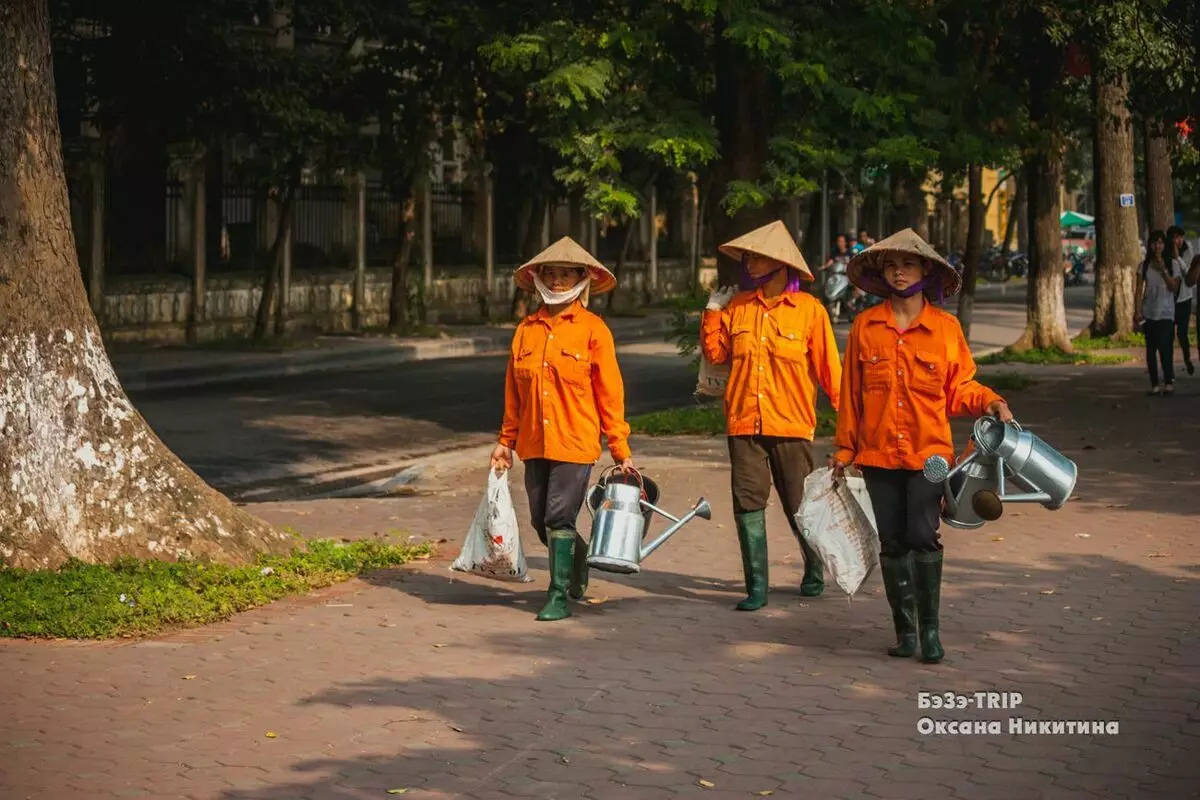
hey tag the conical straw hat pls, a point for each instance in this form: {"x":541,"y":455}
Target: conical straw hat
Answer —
{"x":566,"y":252}
{"x":865,"y":270}
{"x":771,"y":241}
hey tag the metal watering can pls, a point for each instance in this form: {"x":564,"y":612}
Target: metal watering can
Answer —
{"x":622,"y":508}
{"x":976,"y":489}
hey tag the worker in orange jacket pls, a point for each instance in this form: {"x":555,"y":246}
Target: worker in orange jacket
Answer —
{"x":908,"y":370}
{"x":563,"y":389}
{"x":779,"y":344}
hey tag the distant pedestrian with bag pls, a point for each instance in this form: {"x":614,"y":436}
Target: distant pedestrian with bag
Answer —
{"x":779,"y":345}
{"x":908,"y":370}
{"x":1158,"y":282}
{"x":563,"y":391}
{"x":1185,"y":296}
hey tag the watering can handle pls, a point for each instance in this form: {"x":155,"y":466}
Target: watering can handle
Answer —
{"x":615,"y":468}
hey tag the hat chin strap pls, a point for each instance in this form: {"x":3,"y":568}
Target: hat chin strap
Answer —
{"x":552,"y":298}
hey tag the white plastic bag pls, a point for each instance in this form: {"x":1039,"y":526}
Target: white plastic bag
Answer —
{"x":712,"y":379}
{"x":838,"y":522}
{"x":493,"y":544}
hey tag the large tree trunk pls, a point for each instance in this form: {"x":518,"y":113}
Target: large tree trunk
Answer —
{"x":1046,"y":313}
{"x":1023,"y":213}
{"x":744,"y":117}
{"x":83,"y":475}
{"x":1116,"y":227}
{"x":974,"y":249}
{"x":1160,"y":196}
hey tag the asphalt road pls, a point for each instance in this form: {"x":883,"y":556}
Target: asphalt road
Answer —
{"x":275,"y":438}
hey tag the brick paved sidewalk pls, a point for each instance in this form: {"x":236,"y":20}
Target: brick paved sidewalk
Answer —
{"x":427,"y":681}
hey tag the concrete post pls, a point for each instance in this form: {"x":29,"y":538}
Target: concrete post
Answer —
{"x":653,"y":238}
{"x":427,"y":231}
{"x":198,"y":204}
{"x":489,"y":239}
{"x":360,"y":252}
{"x":96,"y":254}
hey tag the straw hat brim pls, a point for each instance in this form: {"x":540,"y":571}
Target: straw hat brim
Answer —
{"x":566,"y":253}
{"x":865,"y":270}
{"x":770,"y":241}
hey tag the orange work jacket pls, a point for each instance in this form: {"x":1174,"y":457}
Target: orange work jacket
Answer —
{"x":563,"y":388}
{"x":900,"y":388}
{"x":779,"y":350}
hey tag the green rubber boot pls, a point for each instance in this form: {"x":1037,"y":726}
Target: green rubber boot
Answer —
{"x":901,"y":595}
{"x":928,"y":570}
{"x":813,"y":582}
{"x":752,"y":537}
{"x":579,"y":569}
{"x":562,"y":546}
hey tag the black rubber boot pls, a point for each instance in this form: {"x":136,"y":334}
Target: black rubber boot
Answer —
{"x":928,"y":570}
{"x":898,"y":582}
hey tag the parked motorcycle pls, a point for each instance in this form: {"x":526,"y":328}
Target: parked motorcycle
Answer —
{"x":837,"y":290}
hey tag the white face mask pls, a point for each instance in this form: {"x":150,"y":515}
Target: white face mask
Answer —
{"x":552,"y":298}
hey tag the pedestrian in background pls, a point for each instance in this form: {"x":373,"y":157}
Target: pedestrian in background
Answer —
{"x":1184,"y":295}
{"x":908,"y":370}
{"x":779,"y":344}
{"x":563,"y":390}
{"x":1158,"y":280}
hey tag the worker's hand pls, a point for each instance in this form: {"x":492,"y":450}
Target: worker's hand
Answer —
{"x":719,"y":298}
{"x":999,"y":408}
{"x":627,"y":466}
{"x":838,"y":467}
{"x":502,"y":459}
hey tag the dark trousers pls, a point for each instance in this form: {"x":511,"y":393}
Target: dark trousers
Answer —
{"x":1160,"y":347}
{"x":907,"y":510}
{"x":556,"y":491}
{"x":757,"y":462}
{"x":1183,"y":322}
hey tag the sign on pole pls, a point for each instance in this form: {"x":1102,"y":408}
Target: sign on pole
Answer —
{"x":1126,"y":201}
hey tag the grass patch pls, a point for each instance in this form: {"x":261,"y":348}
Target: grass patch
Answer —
{"x":706,"y":419}
{"x":1053,"y":356}
{"x":1006,"y":381}
{"x":132,"y":597}
{"x":1133,"y":340}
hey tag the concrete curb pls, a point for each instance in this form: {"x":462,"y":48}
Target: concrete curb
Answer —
{"x":351,"y":356}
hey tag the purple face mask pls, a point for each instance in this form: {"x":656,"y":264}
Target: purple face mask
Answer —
{"x":749,"y":283}
{"x":927,"y":282}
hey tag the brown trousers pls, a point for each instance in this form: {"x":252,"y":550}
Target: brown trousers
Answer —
{"x":758,"y":461}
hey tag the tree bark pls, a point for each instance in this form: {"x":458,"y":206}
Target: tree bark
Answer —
{"x":1116,"y":227}
{"x":628,"y":229}
{"x":1160,"y":196}
{"x":744,"y":117}
{"x":974,"y":249}
{"x":1046,"y":313}
{"x":84,"y":476}
{"x":398,"y":321}
{"x":1014,"y":212}
{"x":274,"y":262}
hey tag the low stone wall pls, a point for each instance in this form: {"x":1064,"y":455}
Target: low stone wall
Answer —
{"x":155,"y":309}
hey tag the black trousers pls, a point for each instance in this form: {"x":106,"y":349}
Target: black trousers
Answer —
{"x":907,"y":510}
{"x":556,"y":491}
{"x":1160,"y":348}
{"x":757,"y":462}
{"x":1183,"y":322}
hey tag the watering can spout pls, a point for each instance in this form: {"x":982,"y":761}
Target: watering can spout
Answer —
{"x":702,"y":510}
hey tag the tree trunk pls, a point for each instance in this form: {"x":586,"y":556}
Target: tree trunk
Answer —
{"x":1046,"y":313}
{"x":1160,"y":196}
{"x":1023,"y":213}
{"x":398,"y":321}
{"x":1014,"y":212}
{"x":974,"y":250}
{"x":918,"y":210}
{"x":274,"y":263}
{"x":530,"y":248}
{"x":744,"y":117}
{"x":1116,"y":227}
{"x":628,"y":229}
{"x":84,"y":476}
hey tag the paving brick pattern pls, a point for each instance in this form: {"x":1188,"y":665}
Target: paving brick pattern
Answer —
{"x":444,"y":685}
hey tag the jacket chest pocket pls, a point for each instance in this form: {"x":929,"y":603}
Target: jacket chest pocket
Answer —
{"x":574,"y":367}
{"x":928,"y":373}
{"x":742,"y":337}
{"x":788,"y":345}
{"x":526,"y":363}
{"x":878,"y":371}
